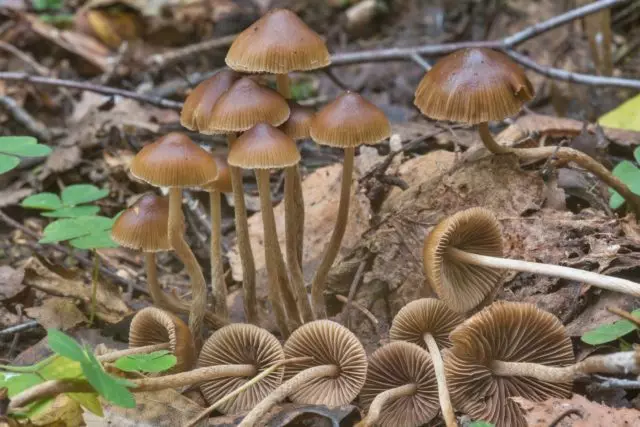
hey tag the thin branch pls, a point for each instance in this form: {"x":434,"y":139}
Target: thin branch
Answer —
{"x":625,"y":315}
{"x":21,"y":116}
{"x":40,"y":69}
{"x":162,"y":60}
{"x":21,"y":327}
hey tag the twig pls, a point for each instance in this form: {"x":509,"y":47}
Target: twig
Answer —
{"x":31,"y":324}
{"x":610,"y":383}
{"x":563,"y":415}
{"x":353,"y":288}
{"x":162,"y":60}
{"x":420,"y":61}
{"x":625,"y":315}
{"x":360,"y":307}
{"x":24,"y":118}
{"x":16,"y":337}
{"x":40,"y":69}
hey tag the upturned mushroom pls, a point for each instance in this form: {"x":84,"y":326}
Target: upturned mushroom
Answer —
{"x":198,"y":106}
{"x":334,"y":376}
{"x":176,"y":162}
{"x":400,"y":389}
{"x":463,"y":262}
{"x":241,"y":344}
{"x":427,"y":322}
{"x":347,"y":122}
{"x":263,"y":148}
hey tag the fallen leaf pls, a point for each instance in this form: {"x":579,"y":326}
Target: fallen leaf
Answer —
{"x":56,"y":312}
{"x":295,"y":415}
{"x":423,"y":168}
{"x":64,"y":411}
{"x":624,"y":116}
{"x":10,"y":282}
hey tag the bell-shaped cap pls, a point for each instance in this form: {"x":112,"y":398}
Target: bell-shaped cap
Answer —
{"x":473,"y":86}
{"x":197,"y":108}
{"x":223,"y":182}
{"x":298,"y":124}
{"x":425,"y":315}
{"x":143,"y":226}
{"x":263,"y":147}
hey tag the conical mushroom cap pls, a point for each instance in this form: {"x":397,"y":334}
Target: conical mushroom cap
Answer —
{"x":223,"y":182}
{"x":298,"y":124}
{"x":241,"y":344}
{"x":473,"y":86}
{"x":152,"y":326}
{"x":143,"y":226}
{"x":349,"y":121}
{"x":278,"y":43}
{"x":329,"y":343}
{"x":394,"y":365}
{"x":174,"y":161}
{"x":508,"y":332}
{"x":246,"y":104}
{"x":197,"y":108}
{"x":426,"y":315}
{"x":263,"y":147}
{"x":463,"y":286}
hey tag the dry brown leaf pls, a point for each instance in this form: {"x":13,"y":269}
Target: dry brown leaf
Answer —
{"x":57,"y":312}
{"x":10,"y":282}
{"x":64,"y":411}
{"x":423,"y":168}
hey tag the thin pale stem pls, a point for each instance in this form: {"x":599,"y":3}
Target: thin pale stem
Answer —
{"x":271,"y":250}
{"x":292,"y":232}
{"x":489,"y":142}
{"x":601,"y":281}
{"x":244,"y":244}
{"x":375,"y":409}
{"x":318,"y":284}
{"x":443,"y":390}
{"x":253,"y":418}
{"x":217,"y":276}
{"x":183,"y":251}
{"x":283,"y":84}
{"x":112,"y":356}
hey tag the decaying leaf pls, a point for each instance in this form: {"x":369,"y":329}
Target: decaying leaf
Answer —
{"x":58,"y":313}
{"x":10,"y":282}
{"x":64,"y":411}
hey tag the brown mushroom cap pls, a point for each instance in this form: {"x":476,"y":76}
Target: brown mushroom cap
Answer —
{"x":394,"y":365}
{"x":246,"y":104}
{"x":154,"y":326}
{"x":426,"y":315}
{"x":143,"y":226}
{"x":196,"y":111}
{"x":174,"y":161}
{"x":508,"y":332}
{"x":278,"y":43}
{"x":463,"y":286}
{"x":350,"y":121}
{"x":223,"y":182}
{"x":329,"y":343}
{"x":241,"y":344}
{"x":299,"y":122}
{"x":473,"y":86}
{"x":263,"y":147}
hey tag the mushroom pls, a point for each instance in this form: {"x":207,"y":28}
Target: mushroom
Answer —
{"x":263,"y":148}
{"x":279,"y":43}
{"x":299,"y":122}
{"x":463,"y":259}
{"x":152,"y":326}
{"x":475,"y":86}
{"x":515,"y":349}
{"x":241,"y":344}
{"x":333,"y":377}
{"x":400,"y":389}
{"x":175,"y":161}
{"x":347,"y":122}
{"x":428,"y":322}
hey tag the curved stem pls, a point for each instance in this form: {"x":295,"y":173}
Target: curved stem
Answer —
{"x":112,"y":356}
{"x":253,"y":418}
{"x":601,"y":281}
{"x":183,"y":251}
{"x":382,"y":399}
{"x":443,"y":390}
{"x":318,"y":284}
{"x":293,"y":232}
{"x":244,"y":244}
{"x":217,"y":276}
{"x":271,"y":250}
{"x":489,"y":142}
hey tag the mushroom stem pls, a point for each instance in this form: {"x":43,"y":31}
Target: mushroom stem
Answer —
{"x":605,"y":282}
{"x":318,"y":284}
{"x":217,"y":277}
{"x":291,"y":207}
{"x":443,"y":390}
{"x":272,"y":253}
{"x":489,"y":142}
{"x":244,"y":244}
{"x":283,"y":84}
{"x":375,"y":409}
{"x":112,"y":356}
{"x":253,"y":418}
{"x":183,"y":251}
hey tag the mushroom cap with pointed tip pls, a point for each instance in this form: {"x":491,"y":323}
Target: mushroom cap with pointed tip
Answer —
{"x":143,"y":226}
{"x":463,"y":286}
{"x":174,"y":161}
{"x":508,"y":332}
{"x":241,"y":344}
{"x":349,"y":121}
{"x":473,"y":86}
{"x":425,"y":315}
{"x":152,"y":326}
{"x":197,"y":108}
{"x":263,"y":147}
{"x":299,"y":122}
{"x":223,"y":182}
{"x":246,"y":104}
{"x":329,"y":343}
{"x":394,"y":365}
{"x":278,"y":43}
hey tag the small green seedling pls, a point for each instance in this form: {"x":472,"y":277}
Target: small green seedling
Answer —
{"x":71,"y":203}
{"x":611,"y":332}
{"x":480,"y":424}
{"x":628,"y":173}
{"x":14,"y":147}
{"x":158,"y":361}
{"x":84,"y":232}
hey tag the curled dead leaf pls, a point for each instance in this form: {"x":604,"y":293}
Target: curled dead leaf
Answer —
{"x":56,"y":312}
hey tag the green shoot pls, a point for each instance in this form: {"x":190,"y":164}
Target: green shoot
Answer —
{"x":610,"y":332}
{"x":628,"y":173}
{"x":158,"y":361}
